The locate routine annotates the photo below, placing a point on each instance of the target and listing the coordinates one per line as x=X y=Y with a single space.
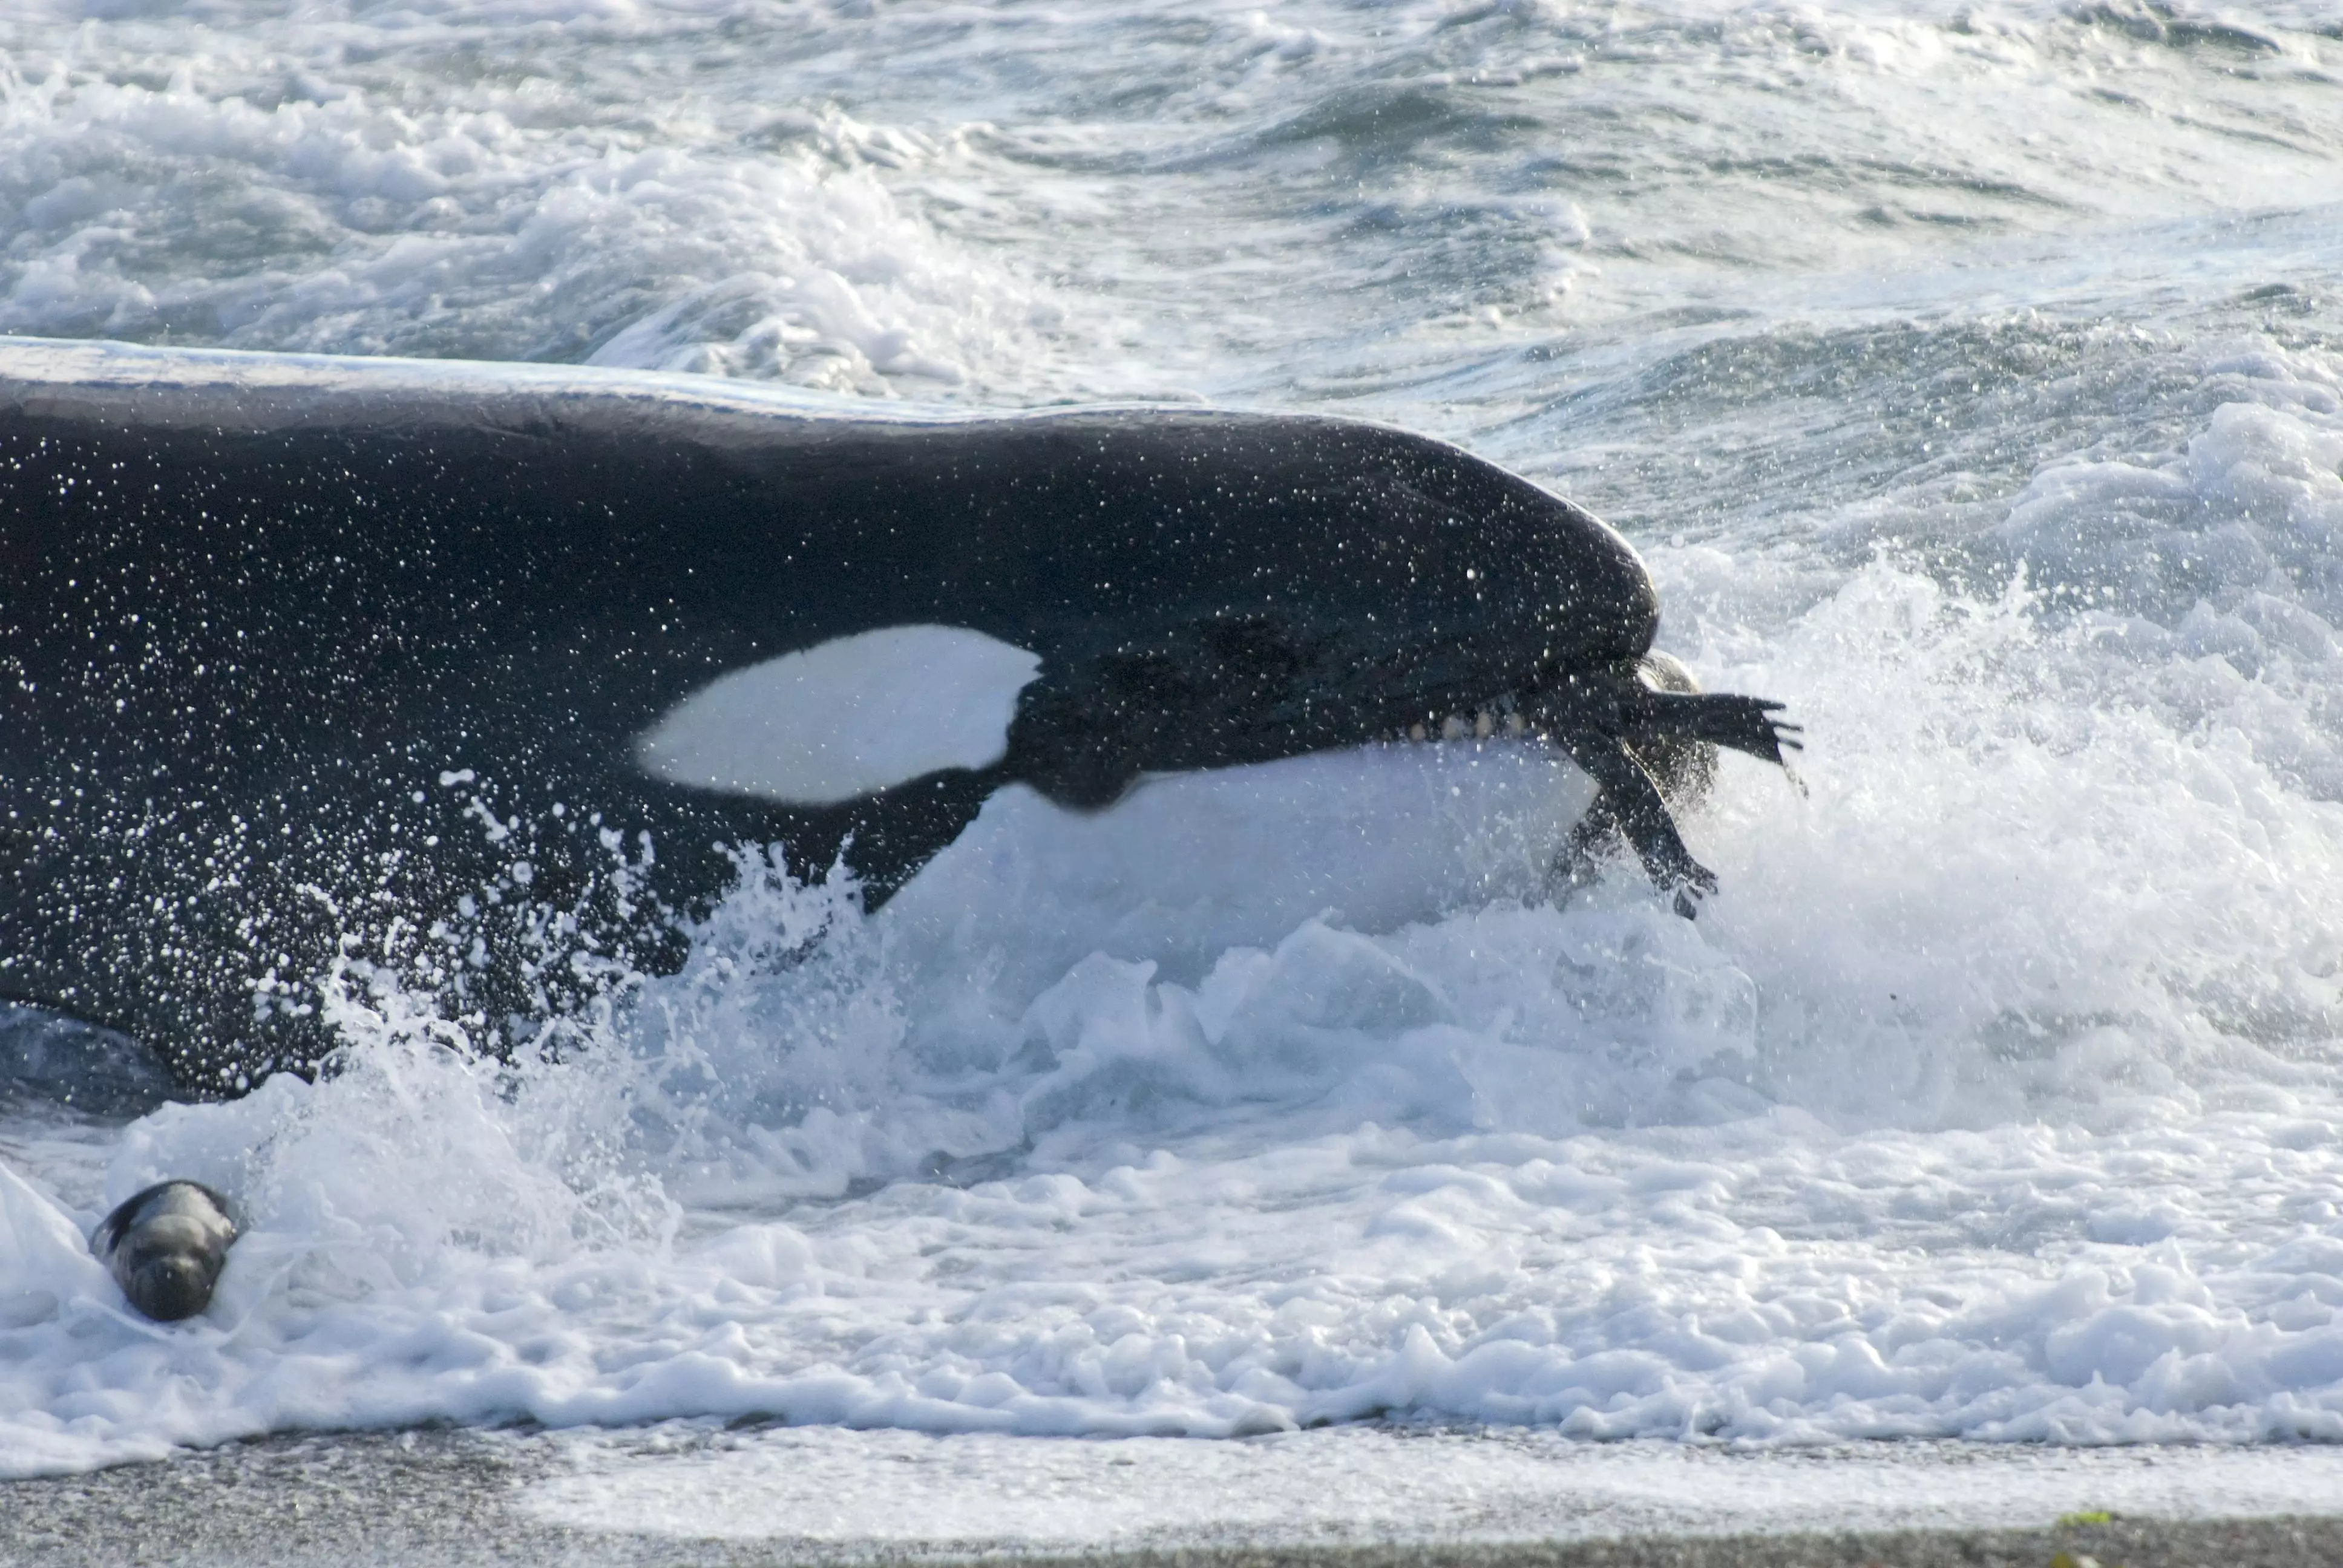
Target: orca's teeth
x=1484 y=724
x=1453 y=728
x=1415 y=732
x=1515 y=724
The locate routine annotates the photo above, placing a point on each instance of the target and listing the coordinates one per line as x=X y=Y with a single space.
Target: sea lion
x=166 y=1246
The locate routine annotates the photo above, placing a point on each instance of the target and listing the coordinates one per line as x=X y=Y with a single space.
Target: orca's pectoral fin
x=1628 y=805
x=1720 y=718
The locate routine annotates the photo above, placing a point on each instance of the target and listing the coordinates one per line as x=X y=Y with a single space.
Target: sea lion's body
x=166 y=1247
x=306 y=662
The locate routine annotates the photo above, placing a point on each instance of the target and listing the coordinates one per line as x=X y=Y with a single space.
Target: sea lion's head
x=166 y=1247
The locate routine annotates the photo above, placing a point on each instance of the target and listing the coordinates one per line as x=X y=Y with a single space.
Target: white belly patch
x=845 y=718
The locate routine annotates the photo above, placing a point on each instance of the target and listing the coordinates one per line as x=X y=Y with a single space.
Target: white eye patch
x=846 y=718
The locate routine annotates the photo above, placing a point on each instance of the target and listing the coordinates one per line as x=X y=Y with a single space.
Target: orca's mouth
x=1501 y=714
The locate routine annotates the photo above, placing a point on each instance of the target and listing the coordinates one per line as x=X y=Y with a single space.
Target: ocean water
x=1971 y=378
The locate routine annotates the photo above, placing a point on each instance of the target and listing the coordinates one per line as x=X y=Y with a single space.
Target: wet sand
x=455 y=1498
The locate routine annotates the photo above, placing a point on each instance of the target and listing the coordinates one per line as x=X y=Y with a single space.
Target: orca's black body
x=303 y=660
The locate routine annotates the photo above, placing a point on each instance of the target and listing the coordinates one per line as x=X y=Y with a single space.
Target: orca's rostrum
x=481 y=672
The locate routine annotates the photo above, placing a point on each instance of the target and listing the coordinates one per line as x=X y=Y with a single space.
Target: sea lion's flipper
x=1716 y=719
x=1644 y=734
x=1579 y=862
x=1629 y=805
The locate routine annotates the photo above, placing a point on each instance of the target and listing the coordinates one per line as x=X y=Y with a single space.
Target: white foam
x=846 y=718
x=879 y=1494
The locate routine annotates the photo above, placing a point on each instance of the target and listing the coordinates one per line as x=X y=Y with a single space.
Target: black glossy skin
x=232 y=658
x=166 y=1247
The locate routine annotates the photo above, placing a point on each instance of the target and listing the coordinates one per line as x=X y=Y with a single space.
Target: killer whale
x=482 y=673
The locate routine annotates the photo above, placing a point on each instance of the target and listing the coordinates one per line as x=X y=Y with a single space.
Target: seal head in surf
x=166 y=1247
x=483 y=674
